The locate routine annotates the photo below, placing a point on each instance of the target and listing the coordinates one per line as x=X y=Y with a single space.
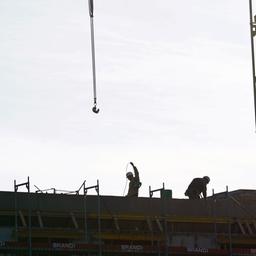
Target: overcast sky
x=174 y=84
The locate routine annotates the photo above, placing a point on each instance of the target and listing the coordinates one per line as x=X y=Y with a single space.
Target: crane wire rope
x=91 y=8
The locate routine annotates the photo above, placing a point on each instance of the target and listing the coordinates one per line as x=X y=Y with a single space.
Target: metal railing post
x=96 y=187
x=16 y=187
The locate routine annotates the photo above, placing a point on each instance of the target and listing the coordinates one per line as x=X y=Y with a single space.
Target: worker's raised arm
x=136 y=172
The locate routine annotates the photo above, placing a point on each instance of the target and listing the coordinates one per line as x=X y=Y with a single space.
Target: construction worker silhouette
x=196 y=187
x=134 y=183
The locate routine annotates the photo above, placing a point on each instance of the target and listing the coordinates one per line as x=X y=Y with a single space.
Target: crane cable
x=94 y=109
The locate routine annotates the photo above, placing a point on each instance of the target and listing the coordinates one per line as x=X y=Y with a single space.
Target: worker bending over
x=196 y=187
x=134 y=183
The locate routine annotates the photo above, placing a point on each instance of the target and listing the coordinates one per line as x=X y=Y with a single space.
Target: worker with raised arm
x=196 y=187
x=134 y=183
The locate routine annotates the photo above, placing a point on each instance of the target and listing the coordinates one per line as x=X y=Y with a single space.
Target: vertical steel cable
x=94 y=109
x=253 y=57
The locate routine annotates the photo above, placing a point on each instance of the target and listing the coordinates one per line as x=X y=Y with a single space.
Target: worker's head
x=207 y=179
x=129 y=175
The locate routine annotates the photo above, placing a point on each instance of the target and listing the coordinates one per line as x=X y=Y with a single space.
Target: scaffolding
x=100 y=223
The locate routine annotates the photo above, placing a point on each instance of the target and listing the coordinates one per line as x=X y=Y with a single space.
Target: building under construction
x=54 y=223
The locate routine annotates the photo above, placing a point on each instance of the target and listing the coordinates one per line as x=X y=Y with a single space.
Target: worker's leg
x=193 y=196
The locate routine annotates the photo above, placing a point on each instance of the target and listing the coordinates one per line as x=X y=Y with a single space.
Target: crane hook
x=95 y=109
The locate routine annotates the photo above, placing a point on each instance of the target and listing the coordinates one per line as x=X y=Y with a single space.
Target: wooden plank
x=241 y=227
x=41 y=224
x=254 y=224
x=149 y=224
x=116 y=223
x=159 y=225
x=74 y=220
x=23 y=221
x=249 y=227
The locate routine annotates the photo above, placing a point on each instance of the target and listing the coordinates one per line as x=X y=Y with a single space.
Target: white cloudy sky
x=175 y=93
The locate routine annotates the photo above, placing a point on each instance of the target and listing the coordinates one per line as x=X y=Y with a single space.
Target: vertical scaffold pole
x=16 y=187
x=253 y=33
x=16 y=211
x=96 y=187
x=230 y=234
x=85 y=215
x=99 y=222
x=29 y=219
